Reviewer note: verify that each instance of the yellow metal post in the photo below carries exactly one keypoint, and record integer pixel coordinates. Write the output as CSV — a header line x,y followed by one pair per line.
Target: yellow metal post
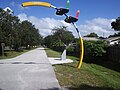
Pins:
x,y
81,47
81,53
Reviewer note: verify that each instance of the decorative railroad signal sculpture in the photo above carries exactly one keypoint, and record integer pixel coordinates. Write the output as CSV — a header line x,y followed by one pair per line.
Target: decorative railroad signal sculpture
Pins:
x,y
69,19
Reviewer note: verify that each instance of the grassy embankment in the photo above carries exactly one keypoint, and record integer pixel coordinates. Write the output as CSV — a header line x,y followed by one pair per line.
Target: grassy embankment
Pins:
x,y
89,77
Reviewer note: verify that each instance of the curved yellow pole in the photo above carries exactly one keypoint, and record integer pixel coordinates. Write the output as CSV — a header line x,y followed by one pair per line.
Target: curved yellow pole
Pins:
x,y
81,47
45,4
81,53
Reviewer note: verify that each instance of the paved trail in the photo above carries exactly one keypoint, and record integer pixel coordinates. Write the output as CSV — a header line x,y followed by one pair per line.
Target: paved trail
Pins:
x,y
29,71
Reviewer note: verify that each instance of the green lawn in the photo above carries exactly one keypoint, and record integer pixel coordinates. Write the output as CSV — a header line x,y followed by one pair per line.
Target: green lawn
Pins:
x,y
89,77
12,54
51,53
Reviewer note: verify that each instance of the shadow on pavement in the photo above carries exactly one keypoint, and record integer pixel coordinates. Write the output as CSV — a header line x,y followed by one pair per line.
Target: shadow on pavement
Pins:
x,y
23,63
51,89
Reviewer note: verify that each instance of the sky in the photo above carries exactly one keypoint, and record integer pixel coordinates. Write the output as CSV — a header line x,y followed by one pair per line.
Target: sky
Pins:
x,y
95,15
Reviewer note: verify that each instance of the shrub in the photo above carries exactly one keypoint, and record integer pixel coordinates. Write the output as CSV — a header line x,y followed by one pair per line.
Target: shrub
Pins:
x,y
58,48
70,50
94,50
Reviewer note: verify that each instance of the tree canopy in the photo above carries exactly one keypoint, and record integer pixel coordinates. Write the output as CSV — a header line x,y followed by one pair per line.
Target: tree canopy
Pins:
x,y
15,33
116,24
91,35
61,36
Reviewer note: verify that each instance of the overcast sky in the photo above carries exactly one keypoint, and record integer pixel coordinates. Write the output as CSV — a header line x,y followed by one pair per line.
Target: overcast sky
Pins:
x,y
95,15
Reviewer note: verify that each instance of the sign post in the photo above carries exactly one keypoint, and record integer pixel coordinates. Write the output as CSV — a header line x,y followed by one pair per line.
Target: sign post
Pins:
x,y
2,47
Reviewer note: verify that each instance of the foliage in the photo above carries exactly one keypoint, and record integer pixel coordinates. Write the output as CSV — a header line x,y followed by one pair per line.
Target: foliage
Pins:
x,y
94,49
8,24
91,35
50,41
63,35
29,34
116,24
15,33
115,35
70,50
60,37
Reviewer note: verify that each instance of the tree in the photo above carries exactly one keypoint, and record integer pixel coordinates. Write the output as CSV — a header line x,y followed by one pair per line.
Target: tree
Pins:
x,y
62,35
29,34
14,33
8,28
91,35
50,40
115,35
116,24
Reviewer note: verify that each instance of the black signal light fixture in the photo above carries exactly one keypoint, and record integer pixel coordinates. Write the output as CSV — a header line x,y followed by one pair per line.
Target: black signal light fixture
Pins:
x,y
70,19
62,11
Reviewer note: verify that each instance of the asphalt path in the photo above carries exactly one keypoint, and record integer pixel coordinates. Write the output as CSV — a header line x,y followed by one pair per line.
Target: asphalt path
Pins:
x,y
29,71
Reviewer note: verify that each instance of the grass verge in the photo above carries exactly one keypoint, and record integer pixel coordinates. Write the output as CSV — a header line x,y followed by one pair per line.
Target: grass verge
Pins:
x,y
12,54
51,53
89,77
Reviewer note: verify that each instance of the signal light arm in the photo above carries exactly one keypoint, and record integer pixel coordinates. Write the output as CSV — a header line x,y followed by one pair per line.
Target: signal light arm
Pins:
x,y
45,4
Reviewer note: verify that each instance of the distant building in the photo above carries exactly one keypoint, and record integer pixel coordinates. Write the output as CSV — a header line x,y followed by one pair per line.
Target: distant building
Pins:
x,y
85,38
113,40
9,10
91,38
